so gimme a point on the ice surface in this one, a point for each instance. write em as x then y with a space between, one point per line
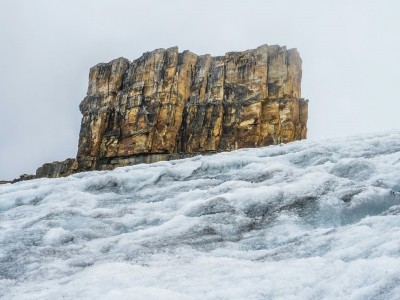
306 220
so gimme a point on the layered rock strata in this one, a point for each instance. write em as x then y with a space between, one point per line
166 105
168 102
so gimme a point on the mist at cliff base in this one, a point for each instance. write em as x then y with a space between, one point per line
305 220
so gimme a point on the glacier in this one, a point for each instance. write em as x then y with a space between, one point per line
306 220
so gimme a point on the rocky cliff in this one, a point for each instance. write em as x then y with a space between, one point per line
166 105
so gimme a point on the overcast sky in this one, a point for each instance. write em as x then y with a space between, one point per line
350 51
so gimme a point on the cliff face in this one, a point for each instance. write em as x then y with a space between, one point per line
168 105
168 102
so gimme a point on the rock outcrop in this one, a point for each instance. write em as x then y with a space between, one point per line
58 168
168 105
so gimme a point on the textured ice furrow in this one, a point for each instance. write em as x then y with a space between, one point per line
310 219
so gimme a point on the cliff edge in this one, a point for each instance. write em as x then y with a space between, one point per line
167 105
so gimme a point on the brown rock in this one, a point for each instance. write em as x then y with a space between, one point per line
168 105
168 102
57 168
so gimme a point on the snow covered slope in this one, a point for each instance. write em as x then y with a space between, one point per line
306 220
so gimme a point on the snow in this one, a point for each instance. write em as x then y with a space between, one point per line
306 220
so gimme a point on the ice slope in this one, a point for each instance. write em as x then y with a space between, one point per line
306 220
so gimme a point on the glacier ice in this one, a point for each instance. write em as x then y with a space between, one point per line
305 220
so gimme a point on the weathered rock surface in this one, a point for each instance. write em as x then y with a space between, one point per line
167 105
58 168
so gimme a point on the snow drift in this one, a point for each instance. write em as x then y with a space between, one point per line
306 220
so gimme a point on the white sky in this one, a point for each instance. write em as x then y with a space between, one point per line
350 51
